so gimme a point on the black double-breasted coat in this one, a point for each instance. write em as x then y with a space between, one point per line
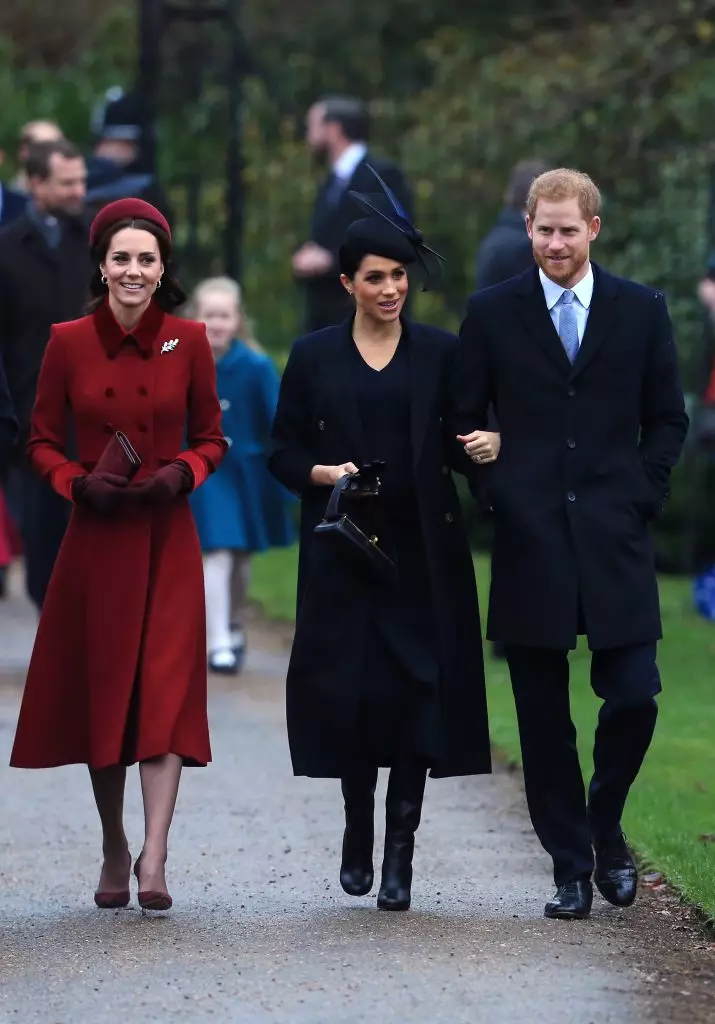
318 422
585 459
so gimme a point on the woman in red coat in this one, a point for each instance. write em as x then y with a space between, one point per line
118 672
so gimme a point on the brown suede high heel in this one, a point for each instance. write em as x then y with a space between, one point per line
112 900
152 899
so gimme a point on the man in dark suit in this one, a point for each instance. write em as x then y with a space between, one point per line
338 128
44 276
581 367
506 249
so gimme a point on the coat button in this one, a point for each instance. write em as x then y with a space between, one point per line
571 443
108 428
321 424
571 391
143 391
143 428
109 392
571 496
448 518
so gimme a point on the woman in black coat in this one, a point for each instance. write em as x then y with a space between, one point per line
382 674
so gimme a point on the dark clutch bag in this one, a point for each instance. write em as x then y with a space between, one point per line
350 542
119 457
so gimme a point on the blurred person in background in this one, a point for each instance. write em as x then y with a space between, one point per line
30 134
44 267
337 133
241 509
12 202
116 168
8 436
506 250
384 671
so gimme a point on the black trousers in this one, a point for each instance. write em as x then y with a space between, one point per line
43 515
567 824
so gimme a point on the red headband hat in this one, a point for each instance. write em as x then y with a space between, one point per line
123 209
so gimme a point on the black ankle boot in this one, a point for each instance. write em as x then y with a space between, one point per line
356 870
403 808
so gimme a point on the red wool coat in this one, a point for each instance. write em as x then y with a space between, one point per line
121 640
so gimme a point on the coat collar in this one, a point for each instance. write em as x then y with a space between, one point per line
536 318
425 379
113 336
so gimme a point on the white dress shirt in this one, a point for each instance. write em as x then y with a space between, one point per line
583 293
344 166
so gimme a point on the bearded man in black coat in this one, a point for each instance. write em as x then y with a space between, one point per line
581 367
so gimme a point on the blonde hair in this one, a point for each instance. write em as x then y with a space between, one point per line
225 286
564 183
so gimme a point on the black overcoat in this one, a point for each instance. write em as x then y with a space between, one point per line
318 423
39 287
585 459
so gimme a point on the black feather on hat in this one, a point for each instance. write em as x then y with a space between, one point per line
388 231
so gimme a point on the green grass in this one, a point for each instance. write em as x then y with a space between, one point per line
673 802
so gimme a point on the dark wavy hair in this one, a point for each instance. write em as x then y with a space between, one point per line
169 297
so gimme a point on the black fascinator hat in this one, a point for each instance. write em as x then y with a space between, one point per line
388 231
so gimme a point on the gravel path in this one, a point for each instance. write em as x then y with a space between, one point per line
261 932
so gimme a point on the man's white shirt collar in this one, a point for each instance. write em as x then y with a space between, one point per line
344 166
553 292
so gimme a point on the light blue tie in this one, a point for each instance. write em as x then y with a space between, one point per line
568 327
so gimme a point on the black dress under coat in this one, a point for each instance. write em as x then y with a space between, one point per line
376 672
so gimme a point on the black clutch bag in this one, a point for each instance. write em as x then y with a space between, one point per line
350 543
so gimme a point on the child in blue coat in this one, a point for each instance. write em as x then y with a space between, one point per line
240 509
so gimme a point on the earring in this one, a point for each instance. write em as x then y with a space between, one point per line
158 283
104 279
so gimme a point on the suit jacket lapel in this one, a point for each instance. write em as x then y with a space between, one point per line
601 316
537 319
339 368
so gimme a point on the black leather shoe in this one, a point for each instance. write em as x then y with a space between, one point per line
572 902
357 873
403 810
615 876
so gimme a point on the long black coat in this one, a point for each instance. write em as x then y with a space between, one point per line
585 460
318 423
327 301
39 286
8 423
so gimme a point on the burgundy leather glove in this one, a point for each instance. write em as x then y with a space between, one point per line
165 485
100 491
